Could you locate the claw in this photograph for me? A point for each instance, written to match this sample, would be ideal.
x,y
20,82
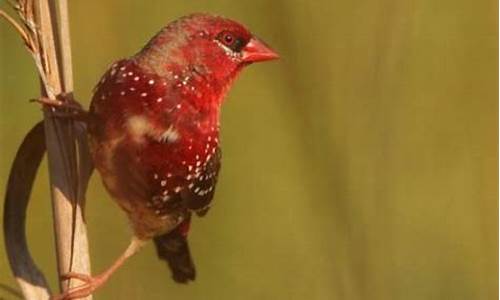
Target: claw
x,y
82,291
91,283
79,276
67,102
73,109
48,102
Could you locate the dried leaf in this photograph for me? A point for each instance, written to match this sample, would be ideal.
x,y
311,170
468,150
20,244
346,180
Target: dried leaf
x,y
20,183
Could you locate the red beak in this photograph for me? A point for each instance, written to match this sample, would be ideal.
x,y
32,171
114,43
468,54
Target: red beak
x,y
256,51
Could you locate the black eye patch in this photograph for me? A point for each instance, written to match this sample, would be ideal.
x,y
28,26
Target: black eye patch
x,y
232,41
238,45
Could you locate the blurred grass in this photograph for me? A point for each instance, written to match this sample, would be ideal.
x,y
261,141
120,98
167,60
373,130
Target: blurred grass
x,y
362,165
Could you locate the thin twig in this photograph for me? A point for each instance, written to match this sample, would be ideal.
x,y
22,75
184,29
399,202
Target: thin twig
x,y
16,26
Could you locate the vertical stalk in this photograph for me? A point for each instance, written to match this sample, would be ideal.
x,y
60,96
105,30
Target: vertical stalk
x,y
67,201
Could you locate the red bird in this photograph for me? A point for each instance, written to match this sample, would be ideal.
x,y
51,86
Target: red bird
x,y
154,133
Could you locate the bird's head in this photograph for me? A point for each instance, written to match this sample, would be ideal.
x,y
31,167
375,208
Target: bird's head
x,y
207,43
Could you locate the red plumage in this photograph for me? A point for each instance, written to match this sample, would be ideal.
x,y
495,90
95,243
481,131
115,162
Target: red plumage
x,y
156,150
154,119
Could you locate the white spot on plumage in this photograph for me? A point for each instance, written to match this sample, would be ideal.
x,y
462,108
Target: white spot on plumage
x,y
177,189
122,93
138,126
144,94
151,82
159,99
163,183
136,78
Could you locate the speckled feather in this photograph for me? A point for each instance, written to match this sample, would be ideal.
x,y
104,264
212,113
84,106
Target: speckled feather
x,y
154,121
164,150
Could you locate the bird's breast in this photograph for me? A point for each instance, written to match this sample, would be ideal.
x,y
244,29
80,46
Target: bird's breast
x,y
156,147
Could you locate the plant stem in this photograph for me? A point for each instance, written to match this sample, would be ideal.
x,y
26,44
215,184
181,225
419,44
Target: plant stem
x,y
47,38
69,226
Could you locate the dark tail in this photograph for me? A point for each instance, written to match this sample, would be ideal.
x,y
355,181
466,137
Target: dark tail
x,y
173,248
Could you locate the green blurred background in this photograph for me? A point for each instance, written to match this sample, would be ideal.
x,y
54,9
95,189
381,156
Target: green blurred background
x,y
362,165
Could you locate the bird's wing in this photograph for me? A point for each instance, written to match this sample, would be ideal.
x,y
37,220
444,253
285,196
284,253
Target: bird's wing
x,y
200,189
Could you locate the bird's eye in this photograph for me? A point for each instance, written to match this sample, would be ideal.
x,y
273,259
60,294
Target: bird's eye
x,y
228,39
231,41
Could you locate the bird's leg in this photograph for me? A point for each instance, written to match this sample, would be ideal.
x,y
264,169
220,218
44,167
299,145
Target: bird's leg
x,y
94,282
71,109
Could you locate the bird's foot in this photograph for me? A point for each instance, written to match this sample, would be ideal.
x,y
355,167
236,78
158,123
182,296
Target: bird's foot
x,y
84,290
64,106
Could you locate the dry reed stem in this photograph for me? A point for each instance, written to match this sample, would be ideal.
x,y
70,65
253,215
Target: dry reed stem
x,y
46,35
